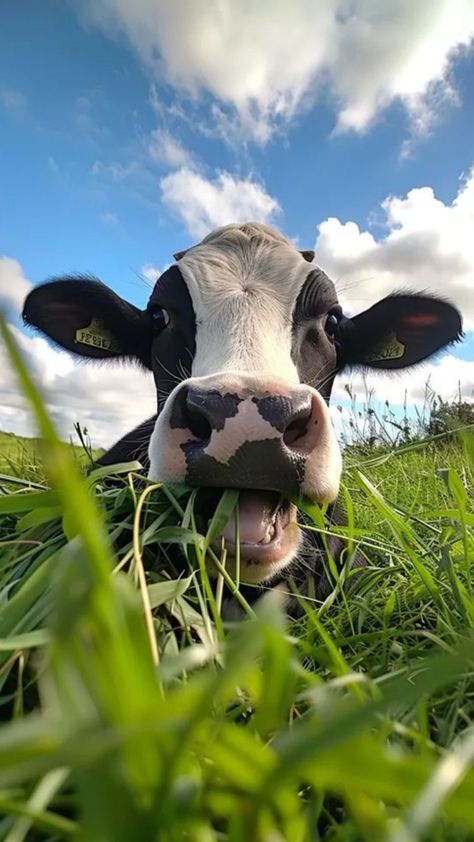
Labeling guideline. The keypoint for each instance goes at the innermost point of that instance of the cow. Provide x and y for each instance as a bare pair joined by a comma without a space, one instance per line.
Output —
244,335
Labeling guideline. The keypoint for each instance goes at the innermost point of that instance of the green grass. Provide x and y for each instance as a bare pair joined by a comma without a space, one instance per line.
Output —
134,712
20,457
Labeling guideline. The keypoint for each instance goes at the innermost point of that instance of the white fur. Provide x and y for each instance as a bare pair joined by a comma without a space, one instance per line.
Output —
243,282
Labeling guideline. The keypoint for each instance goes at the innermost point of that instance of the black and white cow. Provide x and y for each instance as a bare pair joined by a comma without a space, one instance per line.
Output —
244,337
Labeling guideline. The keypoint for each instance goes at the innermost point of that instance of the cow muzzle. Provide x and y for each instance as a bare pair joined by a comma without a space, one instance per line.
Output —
271,439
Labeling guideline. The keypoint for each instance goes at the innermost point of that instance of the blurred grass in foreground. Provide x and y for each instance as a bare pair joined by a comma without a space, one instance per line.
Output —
135,713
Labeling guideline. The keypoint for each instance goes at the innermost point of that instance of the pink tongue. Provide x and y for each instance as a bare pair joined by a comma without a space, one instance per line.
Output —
255,511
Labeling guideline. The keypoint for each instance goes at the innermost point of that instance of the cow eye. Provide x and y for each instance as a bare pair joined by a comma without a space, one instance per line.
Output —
332,323
159,318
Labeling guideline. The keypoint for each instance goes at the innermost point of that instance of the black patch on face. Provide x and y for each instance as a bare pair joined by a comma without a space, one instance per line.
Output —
313,351
264,465
212,405
193,406
134,445
178,415
280,411
173,349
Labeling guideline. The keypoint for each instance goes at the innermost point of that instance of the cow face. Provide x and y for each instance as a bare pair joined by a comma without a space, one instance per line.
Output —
244,337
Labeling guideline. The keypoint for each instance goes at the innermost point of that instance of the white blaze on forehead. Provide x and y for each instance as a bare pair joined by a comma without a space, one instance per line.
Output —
244,282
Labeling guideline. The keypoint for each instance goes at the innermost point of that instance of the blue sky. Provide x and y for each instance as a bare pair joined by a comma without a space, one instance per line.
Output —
128,130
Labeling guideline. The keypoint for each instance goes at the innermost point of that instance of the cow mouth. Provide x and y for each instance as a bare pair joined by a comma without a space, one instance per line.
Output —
268,535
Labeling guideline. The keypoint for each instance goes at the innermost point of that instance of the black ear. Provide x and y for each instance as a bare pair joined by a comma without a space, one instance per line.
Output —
398,331
86,317
308,255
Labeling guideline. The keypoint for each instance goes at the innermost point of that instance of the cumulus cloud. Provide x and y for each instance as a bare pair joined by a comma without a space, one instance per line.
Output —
204,204
109,399
428,245
447,377
398,51
150,272
14,287
264,60
165,149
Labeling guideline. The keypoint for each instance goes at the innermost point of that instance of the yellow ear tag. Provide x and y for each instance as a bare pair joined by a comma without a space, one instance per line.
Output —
97,336
389,348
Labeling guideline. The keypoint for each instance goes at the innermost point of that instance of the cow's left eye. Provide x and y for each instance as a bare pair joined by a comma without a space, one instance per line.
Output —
332,323
159,318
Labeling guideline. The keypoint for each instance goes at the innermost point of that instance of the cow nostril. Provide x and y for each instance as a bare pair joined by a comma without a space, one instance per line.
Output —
296,430
198,424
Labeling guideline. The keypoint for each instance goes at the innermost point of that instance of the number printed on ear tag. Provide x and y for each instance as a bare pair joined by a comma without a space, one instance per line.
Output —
97,336
389,348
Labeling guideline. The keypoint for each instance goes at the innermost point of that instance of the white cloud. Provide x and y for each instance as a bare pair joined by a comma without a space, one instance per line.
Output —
115,171
396,395
167,150
203,204
263,60
14,287
397,51
448,377
109,399
428,245
151,273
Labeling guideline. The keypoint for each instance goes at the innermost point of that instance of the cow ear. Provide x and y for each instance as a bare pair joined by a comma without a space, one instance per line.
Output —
399,331
86,317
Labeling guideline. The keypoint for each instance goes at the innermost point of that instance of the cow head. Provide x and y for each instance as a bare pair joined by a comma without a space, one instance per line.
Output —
244,335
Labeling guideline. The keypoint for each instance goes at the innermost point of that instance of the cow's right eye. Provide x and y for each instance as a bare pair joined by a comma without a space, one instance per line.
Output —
159,318
332,323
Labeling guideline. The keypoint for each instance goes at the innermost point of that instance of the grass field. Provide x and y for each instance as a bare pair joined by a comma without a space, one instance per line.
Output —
133,712
20,457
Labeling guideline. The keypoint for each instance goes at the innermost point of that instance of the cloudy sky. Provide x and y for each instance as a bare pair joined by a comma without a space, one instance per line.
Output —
129,130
